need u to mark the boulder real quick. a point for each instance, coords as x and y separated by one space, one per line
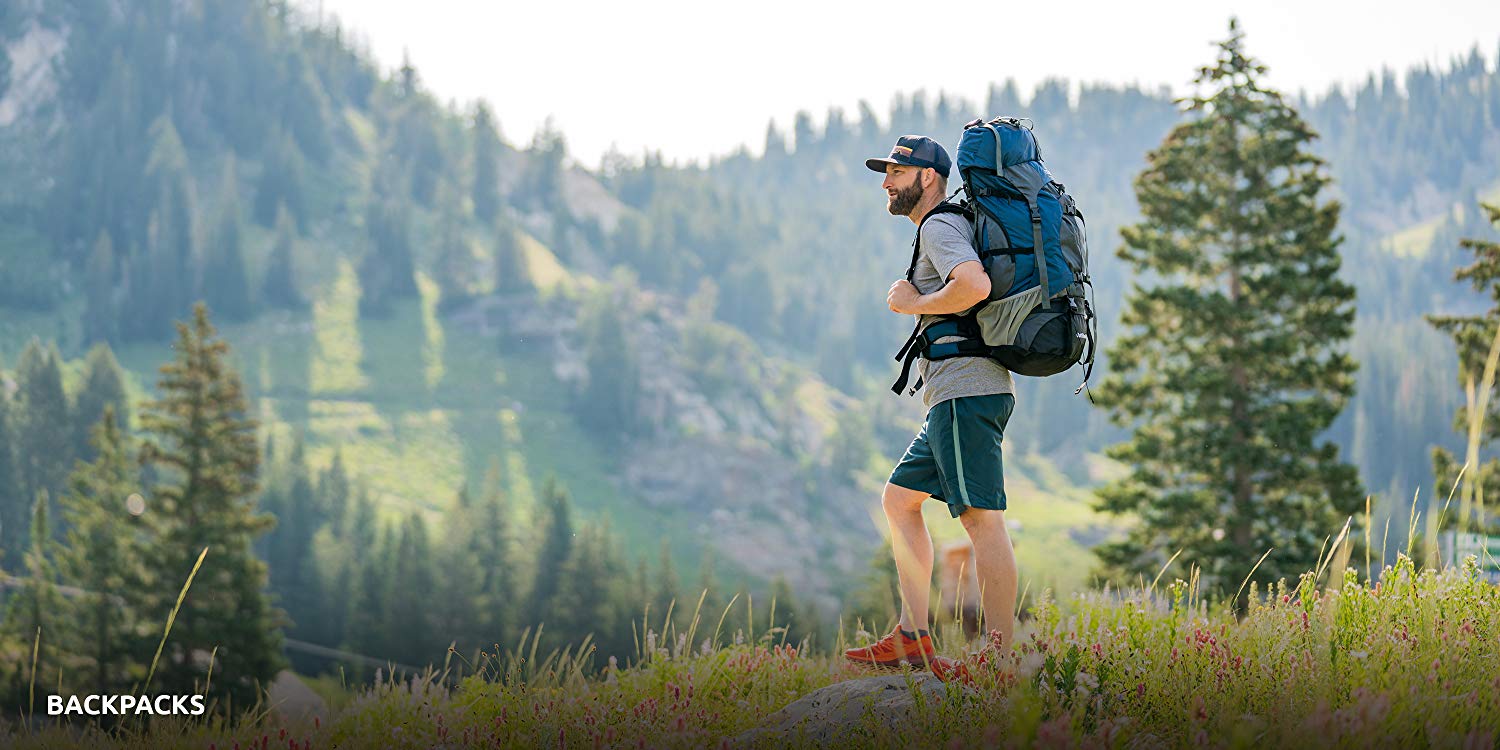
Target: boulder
826 717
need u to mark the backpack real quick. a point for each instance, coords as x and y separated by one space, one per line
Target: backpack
1029 235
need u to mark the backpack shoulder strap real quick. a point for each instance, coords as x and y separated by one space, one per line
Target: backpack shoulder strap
946 207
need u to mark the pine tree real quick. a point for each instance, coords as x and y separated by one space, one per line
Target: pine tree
42 423
410 611
101 557
386 272
202 449
281 183
609 399
486 190
556 533
168 271
666 595
1232 365
279 286
225 283
786 614
511 272
334 490
33 616
1473 336
588 603
457 609
13 508
289 551
490 545
103 388
454 270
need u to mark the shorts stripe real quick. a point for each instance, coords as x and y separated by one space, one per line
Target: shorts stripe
958 455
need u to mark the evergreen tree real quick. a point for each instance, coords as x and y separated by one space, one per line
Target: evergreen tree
281 183
1473 336
490 545
486 190
609 399
454 269
667 593
225 283
101 557
167 272
103 388
556 533
588 601
786 614
43 425
279 287
201 447
13 508
101 308
511 272
334 491
386 272
457 607
289 552
371 573
33 616
410 610
1232 367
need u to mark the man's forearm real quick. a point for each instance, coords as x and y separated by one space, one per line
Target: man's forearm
954 297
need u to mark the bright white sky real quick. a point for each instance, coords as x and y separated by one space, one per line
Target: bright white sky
697 79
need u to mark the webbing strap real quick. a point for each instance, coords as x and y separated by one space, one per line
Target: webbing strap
1041 253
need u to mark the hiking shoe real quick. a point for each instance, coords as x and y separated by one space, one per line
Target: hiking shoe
894 650
951 670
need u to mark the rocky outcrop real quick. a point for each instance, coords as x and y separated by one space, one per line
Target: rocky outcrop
828 717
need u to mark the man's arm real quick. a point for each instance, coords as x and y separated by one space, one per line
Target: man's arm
967 286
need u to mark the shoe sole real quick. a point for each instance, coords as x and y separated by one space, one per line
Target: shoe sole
919 663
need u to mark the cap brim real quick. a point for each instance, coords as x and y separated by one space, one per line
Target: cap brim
878 165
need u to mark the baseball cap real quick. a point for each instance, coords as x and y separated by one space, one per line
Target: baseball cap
914 151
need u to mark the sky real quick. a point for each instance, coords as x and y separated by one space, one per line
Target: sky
694 80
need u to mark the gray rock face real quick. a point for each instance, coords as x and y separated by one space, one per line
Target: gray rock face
828 717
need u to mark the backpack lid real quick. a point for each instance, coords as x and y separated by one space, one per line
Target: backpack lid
976 147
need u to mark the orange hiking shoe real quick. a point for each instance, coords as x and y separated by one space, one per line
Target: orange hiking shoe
951 670
894 650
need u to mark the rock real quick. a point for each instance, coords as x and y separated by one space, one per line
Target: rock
826 716
294 700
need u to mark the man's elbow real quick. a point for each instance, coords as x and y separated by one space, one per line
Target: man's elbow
978 290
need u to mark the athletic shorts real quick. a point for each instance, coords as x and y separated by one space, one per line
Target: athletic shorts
956 456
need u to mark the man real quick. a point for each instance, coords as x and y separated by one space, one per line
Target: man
955 458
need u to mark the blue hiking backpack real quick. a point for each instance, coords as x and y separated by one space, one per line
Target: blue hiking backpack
1029 235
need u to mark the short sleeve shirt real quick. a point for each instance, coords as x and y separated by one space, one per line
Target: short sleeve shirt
946 241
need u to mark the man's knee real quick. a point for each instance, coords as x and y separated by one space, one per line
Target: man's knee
898 499
982 519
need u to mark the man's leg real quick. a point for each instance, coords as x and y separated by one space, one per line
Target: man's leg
995 562
912 547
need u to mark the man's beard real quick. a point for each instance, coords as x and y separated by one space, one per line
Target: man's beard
905 199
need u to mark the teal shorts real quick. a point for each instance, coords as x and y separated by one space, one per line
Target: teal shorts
956 456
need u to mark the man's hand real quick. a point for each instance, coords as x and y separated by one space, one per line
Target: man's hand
902 297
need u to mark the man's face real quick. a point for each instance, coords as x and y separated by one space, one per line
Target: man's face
903 188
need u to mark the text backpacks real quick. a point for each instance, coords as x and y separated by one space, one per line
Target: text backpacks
1029 235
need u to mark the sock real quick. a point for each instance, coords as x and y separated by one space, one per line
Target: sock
913 636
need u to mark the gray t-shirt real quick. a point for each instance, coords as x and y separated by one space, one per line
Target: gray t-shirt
946 241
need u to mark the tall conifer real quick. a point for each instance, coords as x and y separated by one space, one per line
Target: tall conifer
202 449
1232 364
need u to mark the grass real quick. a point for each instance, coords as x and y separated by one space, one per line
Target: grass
1410 661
